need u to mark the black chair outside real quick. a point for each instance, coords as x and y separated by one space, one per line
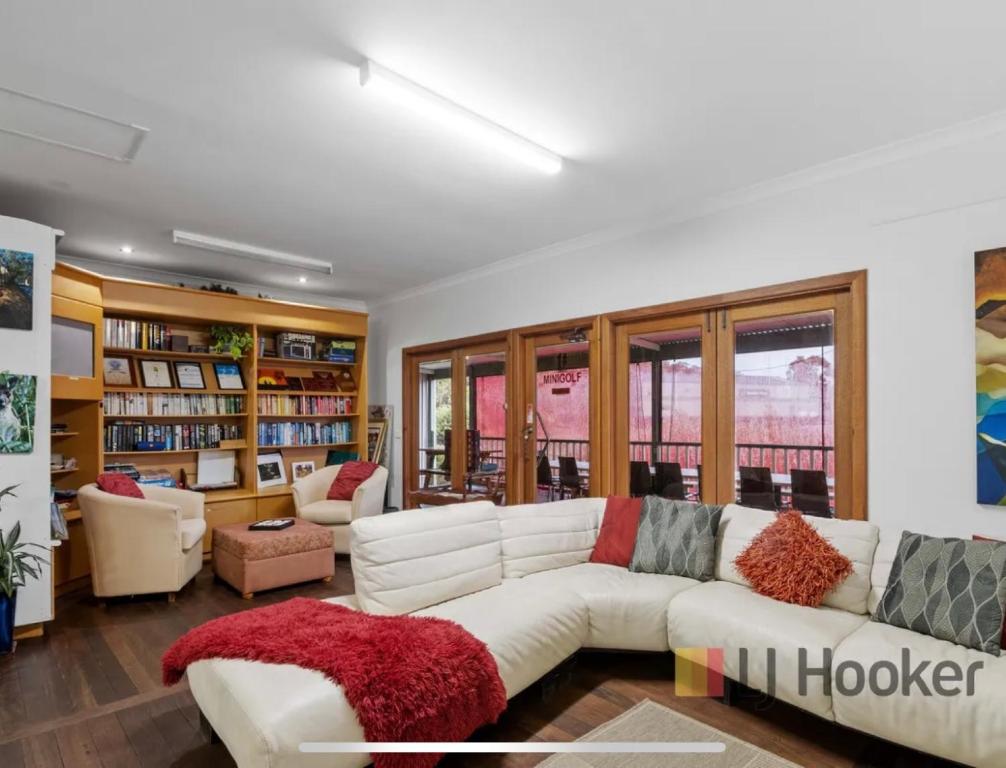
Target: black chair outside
668 480
757 488
640 480
545 481
809 488
569 478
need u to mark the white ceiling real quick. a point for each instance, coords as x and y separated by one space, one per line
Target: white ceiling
259 131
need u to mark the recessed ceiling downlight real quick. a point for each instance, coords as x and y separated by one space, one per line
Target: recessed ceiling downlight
434 106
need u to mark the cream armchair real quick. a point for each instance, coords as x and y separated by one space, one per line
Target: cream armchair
140 546
310 502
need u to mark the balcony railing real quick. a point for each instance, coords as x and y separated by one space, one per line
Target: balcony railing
778 458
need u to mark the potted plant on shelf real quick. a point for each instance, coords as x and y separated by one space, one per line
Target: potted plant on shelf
231 339
16 565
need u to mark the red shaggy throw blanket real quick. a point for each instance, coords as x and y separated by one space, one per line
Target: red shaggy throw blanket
408 678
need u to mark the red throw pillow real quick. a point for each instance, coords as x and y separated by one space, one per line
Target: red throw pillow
351 474
976 537
119 484
617 538
790 561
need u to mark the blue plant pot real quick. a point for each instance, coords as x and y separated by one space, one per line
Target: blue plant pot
7 607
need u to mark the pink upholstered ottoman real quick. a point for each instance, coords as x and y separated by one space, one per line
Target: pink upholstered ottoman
251 561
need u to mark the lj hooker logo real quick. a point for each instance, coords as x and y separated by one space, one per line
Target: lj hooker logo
698 671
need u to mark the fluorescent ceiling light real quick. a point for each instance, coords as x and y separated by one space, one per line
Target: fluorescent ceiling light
249 251
61 125
127 249
435 106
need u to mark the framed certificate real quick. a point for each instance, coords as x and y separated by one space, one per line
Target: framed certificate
189 375
119 372
228 375
156 374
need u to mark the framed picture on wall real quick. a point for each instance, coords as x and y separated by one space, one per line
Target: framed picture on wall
156 374
270 470
17 270
118 372
228 376
189 375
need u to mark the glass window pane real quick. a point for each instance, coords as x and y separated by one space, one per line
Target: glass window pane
435 424
485 417
784 412
665 413
562 397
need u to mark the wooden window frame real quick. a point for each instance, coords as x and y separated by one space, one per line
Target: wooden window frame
606 391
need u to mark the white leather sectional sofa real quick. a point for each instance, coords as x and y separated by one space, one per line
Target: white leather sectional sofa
519 579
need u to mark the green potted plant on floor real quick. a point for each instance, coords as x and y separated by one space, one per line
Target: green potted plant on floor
16 565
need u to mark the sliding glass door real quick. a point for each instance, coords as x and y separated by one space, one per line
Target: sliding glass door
665 429
784 406
754 403
456 425
560 409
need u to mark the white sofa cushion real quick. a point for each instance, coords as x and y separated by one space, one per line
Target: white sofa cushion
856 539
718 614
263 712
326 512
528 631
409 560
192 531
627 611
883 562
540 537
968 729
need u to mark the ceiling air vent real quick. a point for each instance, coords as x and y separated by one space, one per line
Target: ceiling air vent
51 122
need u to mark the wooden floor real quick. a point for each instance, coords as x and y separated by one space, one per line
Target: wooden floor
89 694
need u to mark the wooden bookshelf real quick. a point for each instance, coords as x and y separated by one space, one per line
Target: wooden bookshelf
191 313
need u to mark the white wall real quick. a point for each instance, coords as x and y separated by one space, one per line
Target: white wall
28 352
912 216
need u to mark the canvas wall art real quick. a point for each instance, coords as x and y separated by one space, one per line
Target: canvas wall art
17 413
17 271
990 359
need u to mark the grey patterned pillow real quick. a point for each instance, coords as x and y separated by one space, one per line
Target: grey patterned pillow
677 538
951 589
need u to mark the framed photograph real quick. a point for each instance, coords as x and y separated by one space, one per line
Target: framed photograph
271 378
119 372
156 374
228 376
376 433
17 270
270 470
301 469
17 413
189 375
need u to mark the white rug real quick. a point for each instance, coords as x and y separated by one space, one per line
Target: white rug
648 721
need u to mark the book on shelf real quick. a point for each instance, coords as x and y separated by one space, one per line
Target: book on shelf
123 468
144 436
136 334
304 405
161 477
292 433
158 404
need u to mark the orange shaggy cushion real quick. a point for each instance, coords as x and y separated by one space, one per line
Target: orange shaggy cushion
790 561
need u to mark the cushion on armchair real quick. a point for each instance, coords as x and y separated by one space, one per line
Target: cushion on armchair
327 512
351 474
119 484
